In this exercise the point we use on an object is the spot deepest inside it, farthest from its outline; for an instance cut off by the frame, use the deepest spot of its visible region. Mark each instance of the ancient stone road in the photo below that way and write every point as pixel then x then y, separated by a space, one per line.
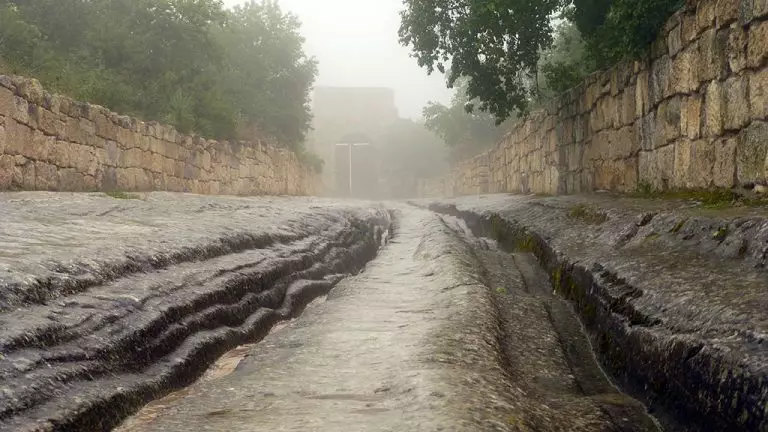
pixel 412 343
pixel 412 320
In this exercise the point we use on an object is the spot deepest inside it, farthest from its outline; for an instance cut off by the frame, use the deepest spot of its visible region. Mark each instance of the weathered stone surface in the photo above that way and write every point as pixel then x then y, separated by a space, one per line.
pixel 7 166
pixel 758 94
pixel 659 82
pixel 46 176
pixel 759 9
pixel 713 62
pixel 736 51
pixel 31 90
pixel 752 152
pixel 658 167
pixel 694 163
pixel 599 264
pixel 7 103
pixel 724 173
pixel 713 110
pixel 757 45
pixel 726 12
pixel 669 113
pixel 685 69
pixel 705 14
pixel 89 138
pixel 689 28
pixel 690 116
pixel 675 40
pixel 737 112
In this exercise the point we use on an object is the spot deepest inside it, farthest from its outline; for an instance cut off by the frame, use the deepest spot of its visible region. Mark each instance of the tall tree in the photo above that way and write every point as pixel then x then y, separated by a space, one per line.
pixel 465 130
pixel 496 43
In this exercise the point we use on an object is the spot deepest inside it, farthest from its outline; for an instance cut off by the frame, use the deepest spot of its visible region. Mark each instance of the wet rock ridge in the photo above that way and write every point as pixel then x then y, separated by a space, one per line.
pixel 674 301
pixel 692 114
pixel 52 143
pixel 108 304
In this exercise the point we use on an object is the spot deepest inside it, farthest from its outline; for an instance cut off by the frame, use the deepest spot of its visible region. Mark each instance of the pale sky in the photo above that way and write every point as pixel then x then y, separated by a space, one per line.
pixel 355 42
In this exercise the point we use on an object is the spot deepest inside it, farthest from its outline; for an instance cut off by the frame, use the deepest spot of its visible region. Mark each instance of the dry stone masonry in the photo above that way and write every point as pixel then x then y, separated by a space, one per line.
pixel 693 114
pixel 51 142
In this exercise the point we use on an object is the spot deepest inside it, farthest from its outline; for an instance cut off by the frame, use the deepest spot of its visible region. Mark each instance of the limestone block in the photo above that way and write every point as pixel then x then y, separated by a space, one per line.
pixel 759 8
pixel 20 110
pixel 59 154
pixel 628 101
pixel 7 102
pixel 758 94
pixel 642 100
pixel 690 116
pixel 675 40
pixel 84 160
pixel 736 48
pixel 27 171
pixel 752 149
pixel 737 112
pixel 669 116
pixel 757 44
pixel 694 163
pixel 685 70
pixel 49 122
pixel 713 110
pixel 689 28
pixel 46 176
pixel 2 140
pixel 125 179
pixel 705 13
pixel 105 128
pixel 657 167
pixel 132 158
pixel 659 80
pixel 18 137
pixel 143 178
pixel 623 143
pixel 724 172
pixel 726 12
pixel 713 63
pixel 7 167
pixel 31 90
pixel 71 180
pixel 38 148
pixel 158 162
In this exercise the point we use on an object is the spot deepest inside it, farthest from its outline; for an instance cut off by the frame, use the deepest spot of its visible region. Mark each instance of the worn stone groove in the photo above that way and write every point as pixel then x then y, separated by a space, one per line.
pixel 90 374
pixel 683 379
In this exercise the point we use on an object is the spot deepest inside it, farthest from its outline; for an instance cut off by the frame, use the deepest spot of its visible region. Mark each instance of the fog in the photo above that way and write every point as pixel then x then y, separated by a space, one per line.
pixel 355 42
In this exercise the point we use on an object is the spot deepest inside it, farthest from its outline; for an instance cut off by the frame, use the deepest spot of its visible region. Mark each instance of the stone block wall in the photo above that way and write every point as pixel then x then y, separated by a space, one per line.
pixel 51 142
pixel 693 114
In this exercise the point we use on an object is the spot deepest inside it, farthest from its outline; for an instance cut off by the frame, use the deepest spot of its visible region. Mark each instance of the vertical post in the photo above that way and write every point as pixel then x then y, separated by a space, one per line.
pixel 350 169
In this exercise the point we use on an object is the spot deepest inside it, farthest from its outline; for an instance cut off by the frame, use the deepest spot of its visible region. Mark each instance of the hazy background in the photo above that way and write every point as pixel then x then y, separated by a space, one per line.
pixel 355 42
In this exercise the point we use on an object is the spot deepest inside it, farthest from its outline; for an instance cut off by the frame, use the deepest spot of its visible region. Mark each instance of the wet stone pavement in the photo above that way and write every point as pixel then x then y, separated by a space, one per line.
pixel 413 343
pixel 187 313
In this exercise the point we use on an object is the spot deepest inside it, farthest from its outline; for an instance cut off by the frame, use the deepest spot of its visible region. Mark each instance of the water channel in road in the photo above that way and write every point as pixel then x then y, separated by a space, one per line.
pixel 443 331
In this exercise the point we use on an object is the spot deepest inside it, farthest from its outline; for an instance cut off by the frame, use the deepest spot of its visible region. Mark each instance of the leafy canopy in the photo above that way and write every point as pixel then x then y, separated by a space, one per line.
pixel 498 44
pixel 205 69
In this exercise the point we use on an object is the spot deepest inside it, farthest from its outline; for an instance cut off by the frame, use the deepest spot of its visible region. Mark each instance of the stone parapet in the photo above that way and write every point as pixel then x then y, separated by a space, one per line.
pixel 51 142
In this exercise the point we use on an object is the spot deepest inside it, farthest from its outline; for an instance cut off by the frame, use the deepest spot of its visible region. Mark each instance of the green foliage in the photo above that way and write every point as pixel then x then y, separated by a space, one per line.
pixel 216 72
pixel 311 159
pixel 505 48
pixel 464 129
pixel 565 64
pixel 627 28
pixel 496 43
